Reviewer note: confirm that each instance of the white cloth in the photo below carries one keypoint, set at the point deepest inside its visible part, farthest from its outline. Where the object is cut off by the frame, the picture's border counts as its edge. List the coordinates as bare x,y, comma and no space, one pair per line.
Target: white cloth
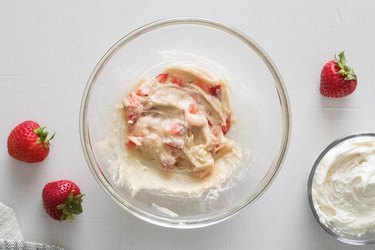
9,229
11,237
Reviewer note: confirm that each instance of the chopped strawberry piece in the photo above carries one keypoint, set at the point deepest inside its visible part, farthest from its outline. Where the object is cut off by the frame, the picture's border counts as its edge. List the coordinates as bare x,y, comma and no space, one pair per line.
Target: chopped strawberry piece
225,127
162,78
193,108
130,144
140,92
177,81
212,90
133,142
173,144
209,122
177,129
202,85
215,90
132,118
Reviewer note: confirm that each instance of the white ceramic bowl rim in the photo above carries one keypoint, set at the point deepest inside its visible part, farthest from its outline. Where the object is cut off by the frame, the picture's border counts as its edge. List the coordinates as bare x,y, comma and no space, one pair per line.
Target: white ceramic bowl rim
262,186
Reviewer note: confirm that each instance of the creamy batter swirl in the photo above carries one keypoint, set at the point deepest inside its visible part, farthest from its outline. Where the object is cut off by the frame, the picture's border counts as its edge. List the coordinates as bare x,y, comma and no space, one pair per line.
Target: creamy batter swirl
179,119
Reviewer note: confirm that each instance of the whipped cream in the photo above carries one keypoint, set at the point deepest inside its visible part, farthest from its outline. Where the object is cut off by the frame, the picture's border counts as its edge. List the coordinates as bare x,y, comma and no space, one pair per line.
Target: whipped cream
343,187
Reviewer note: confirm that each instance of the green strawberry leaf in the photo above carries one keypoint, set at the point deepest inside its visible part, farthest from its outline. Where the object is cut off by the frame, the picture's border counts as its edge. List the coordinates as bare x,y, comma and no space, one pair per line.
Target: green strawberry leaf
342,58
42,136
345,70
72,206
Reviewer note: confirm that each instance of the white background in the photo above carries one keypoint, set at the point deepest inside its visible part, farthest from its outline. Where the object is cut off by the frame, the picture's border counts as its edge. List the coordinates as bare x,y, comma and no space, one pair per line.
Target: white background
49,48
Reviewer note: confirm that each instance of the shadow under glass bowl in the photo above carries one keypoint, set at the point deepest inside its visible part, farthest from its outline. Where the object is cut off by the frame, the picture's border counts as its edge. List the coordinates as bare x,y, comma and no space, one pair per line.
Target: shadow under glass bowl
364,239
260,108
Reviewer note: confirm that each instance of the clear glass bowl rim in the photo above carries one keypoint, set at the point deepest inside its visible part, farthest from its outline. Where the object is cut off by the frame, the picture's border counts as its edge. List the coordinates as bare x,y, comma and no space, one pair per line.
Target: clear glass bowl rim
309,189
262,186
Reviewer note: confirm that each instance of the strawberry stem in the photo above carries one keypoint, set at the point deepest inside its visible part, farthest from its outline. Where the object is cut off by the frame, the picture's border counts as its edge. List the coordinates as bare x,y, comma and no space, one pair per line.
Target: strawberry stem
72,206
345,70
42,136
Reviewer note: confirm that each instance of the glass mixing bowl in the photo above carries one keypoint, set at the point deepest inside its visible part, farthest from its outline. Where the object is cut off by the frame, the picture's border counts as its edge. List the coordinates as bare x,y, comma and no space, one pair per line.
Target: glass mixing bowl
260,108
330,228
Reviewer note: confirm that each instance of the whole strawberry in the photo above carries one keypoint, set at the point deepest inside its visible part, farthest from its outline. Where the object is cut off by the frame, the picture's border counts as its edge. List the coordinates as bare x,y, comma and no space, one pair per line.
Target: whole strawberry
29,142
62,200
337,79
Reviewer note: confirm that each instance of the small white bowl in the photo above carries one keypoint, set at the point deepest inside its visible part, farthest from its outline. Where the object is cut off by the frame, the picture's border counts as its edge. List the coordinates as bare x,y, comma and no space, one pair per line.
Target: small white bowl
331,229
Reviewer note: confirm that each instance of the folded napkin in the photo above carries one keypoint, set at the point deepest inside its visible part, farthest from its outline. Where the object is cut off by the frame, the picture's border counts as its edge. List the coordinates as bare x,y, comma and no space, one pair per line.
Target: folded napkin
11,237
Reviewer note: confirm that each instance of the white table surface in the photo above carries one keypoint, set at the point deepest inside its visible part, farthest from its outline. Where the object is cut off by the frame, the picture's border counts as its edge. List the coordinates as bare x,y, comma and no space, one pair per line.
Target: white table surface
49,48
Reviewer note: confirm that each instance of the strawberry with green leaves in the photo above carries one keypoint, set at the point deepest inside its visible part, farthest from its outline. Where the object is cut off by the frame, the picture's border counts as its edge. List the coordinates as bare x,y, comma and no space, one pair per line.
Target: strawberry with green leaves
62,200
337,79
28,142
